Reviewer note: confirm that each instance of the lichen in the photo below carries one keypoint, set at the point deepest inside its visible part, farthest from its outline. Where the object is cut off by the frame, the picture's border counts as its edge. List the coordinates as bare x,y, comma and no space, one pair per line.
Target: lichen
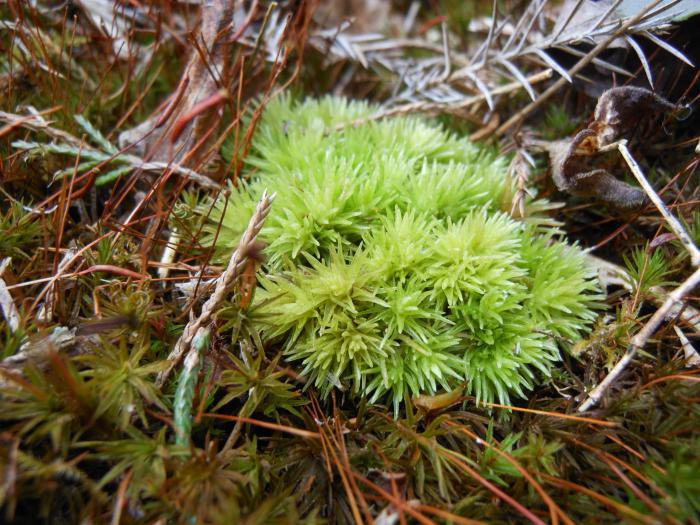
391,268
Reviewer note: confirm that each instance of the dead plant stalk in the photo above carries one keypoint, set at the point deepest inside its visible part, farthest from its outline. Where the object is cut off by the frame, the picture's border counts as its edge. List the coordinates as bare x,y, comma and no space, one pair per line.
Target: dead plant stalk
437,107
673,223
223,285
7,304
674,298
587,59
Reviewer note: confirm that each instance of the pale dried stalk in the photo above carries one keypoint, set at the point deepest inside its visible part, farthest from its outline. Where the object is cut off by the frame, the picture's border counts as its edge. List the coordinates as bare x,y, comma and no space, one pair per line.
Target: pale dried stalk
593,53
36,122
45,312
519,171
673,223
640,339
235,266
36,352
692,358
674,298
437,107
612,274
168,256
7,304
204,181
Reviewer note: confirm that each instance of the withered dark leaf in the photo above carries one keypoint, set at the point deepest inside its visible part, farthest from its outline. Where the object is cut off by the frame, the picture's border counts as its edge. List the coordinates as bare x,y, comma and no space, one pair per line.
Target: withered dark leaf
621,109
576,165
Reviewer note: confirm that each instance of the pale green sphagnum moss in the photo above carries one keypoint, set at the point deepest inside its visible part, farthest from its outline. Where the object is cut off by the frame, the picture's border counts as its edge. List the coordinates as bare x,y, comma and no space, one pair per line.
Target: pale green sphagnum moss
390,267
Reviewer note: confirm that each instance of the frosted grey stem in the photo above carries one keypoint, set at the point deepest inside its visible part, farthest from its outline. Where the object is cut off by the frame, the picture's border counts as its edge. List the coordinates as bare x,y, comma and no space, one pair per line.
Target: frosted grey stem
554,88
673,223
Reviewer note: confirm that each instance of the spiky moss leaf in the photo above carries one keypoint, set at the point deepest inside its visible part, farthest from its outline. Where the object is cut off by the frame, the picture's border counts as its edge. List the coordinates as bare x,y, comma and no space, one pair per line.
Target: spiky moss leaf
402,245
452,190
416,367
477,255
505,365
390,269
304,296
406,308
562,291
332,186
318,207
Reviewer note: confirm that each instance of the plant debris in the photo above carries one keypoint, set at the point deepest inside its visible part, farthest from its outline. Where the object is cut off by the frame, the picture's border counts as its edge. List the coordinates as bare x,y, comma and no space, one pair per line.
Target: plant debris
618,113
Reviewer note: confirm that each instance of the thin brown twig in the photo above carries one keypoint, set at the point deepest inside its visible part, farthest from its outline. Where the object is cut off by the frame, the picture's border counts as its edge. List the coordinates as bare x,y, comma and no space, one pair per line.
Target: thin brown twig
556,414
554,510
307,434
682,377
342,468
611,503
459,460
612,458
338,441
120,502
404,506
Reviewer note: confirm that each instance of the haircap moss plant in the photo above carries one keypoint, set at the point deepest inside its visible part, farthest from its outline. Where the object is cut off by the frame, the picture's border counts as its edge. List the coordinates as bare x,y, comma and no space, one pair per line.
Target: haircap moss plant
390,266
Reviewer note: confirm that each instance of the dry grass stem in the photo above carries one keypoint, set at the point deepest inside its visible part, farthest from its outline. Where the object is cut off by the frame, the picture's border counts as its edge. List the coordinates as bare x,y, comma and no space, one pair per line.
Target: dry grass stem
692,357
640,339
437,107
223,285
7,304
578,67
673,223
613,274
672,303
168,255
46,310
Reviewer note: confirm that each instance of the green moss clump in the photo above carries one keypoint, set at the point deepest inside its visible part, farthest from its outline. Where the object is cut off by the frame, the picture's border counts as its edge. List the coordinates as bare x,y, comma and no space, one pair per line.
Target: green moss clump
391,268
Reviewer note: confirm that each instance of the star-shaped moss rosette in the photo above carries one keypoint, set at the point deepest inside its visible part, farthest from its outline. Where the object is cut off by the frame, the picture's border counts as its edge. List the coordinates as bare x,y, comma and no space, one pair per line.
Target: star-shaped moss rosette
390,267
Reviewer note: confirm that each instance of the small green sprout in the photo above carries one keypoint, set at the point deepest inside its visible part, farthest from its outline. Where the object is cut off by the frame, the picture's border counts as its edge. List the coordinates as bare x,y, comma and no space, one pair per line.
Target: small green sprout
646,269
20,229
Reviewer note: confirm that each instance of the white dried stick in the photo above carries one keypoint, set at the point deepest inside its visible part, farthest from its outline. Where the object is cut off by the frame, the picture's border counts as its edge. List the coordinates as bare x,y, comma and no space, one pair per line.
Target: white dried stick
223,284
674,298
640,339
613,274
7,304
673,223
